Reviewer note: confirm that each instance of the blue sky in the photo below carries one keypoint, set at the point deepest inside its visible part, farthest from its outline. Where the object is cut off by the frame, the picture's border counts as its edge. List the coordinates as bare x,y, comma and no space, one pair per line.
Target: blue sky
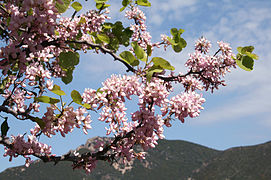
235,115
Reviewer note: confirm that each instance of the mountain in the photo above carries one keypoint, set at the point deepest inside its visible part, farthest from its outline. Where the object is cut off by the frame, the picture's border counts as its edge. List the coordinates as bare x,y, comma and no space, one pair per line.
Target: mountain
249,163
171,159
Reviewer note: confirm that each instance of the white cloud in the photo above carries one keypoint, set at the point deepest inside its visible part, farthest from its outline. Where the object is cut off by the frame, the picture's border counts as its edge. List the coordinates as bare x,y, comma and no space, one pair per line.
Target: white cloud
163,10
249,91
256,102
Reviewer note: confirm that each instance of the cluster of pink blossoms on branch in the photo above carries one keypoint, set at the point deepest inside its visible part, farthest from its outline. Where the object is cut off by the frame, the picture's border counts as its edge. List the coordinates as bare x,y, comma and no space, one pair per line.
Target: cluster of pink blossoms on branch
42,46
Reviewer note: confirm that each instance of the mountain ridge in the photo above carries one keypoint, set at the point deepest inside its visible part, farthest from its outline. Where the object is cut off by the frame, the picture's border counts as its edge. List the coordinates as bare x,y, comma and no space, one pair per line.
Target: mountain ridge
176,159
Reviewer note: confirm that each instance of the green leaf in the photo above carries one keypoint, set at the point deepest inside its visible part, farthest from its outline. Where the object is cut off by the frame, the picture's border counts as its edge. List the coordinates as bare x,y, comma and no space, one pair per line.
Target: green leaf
101,5
117,29
40,122
171,41
76,97
245,63
62,7
139,52
182,43
56,89
101,1
82,21
152,70
103,38
181,31
158,61
114,44
174,31
178,43
128,57
108,25
239,49
125,2
248,62
149,50
87,106
68,59
121,9
4,128
68,78
247,49
56,33
143,3
46,99
177,48
252,55
77,6
79,35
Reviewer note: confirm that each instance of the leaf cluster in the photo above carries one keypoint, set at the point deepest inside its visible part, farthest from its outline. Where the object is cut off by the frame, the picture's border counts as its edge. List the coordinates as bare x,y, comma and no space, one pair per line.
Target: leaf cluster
245,58
177,42
119,35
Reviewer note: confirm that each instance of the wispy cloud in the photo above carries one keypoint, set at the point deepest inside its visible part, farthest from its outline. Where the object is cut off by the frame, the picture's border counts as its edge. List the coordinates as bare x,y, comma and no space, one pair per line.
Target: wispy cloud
240,24
248,26
164,10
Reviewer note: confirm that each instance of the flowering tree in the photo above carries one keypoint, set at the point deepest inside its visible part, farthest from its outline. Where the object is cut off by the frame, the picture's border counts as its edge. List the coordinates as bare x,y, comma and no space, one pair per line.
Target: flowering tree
40,45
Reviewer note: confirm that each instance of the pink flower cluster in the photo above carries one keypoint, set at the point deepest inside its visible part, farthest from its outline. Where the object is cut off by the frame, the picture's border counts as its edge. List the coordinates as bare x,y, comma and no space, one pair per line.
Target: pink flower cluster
203,45
150,130
112,97
183,105
85,24
64,122
27,29
191,83
21,147
36,70
18,97
165,41
210,69
154,93
140,35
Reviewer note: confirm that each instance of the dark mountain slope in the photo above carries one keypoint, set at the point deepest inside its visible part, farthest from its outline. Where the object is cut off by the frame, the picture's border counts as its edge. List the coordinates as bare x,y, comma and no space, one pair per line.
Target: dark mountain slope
248,163
172,159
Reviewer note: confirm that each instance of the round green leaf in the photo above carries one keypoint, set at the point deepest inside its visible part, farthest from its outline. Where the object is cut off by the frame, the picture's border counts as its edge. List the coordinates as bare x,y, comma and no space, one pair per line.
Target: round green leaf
247,49
177,48
125,2
149,50
68,59
171,41
158,61
62,7
128,57
68,78
248,62
252,55
76,97
139,52
46,99
182,43
56,89
152,70
77,6
103,38
143,3
174,31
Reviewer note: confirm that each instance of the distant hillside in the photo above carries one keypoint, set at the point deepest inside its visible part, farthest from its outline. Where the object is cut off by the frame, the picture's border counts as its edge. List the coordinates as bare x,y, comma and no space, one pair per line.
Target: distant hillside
172,159
248,163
